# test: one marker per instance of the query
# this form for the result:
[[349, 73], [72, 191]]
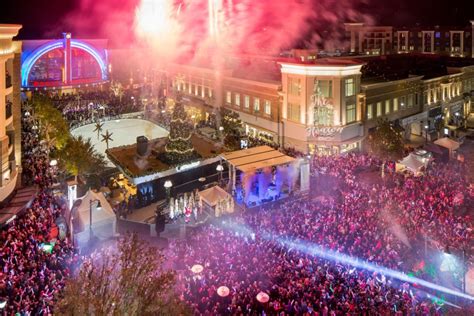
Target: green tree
[[179, 147], [53, 127], [385, 142], [128, 279], [232, 125], [79, 157]]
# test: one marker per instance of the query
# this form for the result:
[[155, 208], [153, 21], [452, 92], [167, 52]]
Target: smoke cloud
[[187, 28]]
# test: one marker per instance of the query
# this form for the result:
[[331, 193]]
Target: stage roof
[[256, 158]]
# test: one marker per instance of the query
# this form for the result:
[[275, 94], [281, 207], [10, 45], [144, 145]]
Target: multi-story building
[[324, 106], [382, 40], [10, 111]]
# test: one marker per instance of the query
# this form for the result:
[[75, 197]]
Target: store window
[[293, 112], [294, 86], [228, 98], [268, 107], [351, 113], [247, 102], [256, 105], [370, 111], [324, 87], [237, 99], [395, 104], [350, 89], [387, 106], [379, 109]]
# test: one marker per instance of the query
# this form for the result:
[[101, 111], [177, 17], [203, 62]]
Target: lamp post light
[[53, 163], [90, 215], [219, 169], [426, 132], [168, 184]]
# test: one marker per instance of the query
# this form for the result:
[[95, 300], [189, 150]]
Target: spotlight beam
[[313, 250]]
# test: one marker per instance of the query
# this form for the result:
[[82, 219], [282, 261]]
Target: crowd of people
[[378, 222], [87, 107], [31, 277]]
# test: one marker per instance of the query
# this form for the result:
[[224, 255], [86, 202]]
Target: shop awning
[[447, 143]]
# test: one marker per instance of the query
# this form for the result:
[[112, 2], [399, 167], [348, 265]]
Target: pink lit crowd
[[30, 278], [357, 218]]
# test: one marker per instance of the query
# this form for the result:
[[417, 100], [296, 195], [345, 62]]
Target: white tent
[[104, 213], [412, 163], [446, 142]]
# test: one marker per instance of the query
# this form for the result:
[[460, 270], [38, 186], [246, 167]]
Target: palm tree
[[98, 128], [80, 157], [107, 137]]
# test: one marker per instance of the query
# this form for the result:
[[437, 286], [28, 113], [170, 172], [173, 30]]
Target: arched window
[[48, 68]]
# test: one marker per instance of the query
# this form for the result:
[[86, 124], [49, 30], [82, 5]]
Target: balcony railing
[[8, 110], [8, 81]]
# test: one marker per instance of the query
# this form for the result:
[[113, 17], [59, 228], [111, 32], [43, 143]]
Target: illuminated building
[[64, 63], [10, 112], [327, 106], [382, 40]]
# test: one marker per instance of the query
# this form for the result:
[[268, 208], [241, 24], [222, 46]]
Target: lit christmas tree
[[179, 148]]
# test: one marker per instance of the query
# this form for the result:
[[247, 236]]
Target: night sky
[[45, 18]]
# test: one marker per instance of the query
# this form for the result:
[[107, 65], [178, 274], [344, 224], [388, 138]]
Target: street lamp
[[219, 169], [168, 184], [53, 163], [426, 132], [99, 206]]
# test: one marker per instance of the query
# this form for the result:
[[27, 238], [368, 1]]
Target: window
[[379, 109], [324, 87], [237, 99], [395, 104], [268, 107], [247, 102], [410, 101], [228, 97], [402, 102], [293, 112], [350, 113], [387, 106], [196, 90], [349, 87], [294, 86], [370, 111], [256, 105]]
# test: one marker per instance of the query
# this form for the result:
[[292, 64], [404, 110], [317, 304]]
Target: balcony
[[8, 81]]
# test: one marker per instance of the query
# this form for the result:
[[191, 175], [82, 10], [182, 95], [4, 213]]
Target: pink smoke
[[183, 27]]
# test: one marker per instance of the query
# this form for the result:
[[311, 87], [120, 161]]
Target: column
[[451, 50], [472, 38], [67, 58], [353, 42]]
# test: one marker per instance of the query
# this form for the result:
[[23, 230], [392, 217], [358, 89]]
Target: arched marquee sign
[[66, 46]]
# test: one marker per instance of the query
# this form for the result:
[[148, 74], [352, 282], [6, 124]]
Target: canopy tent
[[102, 214], [412, 163], [447, 143], [217, 199], [256, 158]]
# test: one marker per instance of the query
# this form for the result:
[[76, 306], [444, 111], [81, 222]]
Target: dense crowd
[[30, 276], [379, 222], [90, 106]]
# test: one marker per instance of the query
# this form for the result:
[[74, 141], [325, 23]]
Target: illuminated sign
[[188, 166]]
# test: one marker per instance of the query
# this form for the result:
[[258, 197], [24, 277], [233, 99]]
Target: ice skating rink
[[125, 132]]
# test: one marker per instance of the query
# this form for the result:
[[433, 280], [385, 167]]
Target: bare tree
[[124, 280]]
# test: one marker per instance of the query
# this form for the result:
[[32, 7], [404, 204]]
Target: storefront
[[414, 124], [328, 148]]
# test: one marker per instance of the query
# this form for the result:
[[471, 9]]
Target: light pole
[[426, 132], [90, 215], [219, 169], [168, 184]]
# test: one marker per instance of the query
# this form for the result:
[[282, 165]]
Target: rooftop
[[126, 158]]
